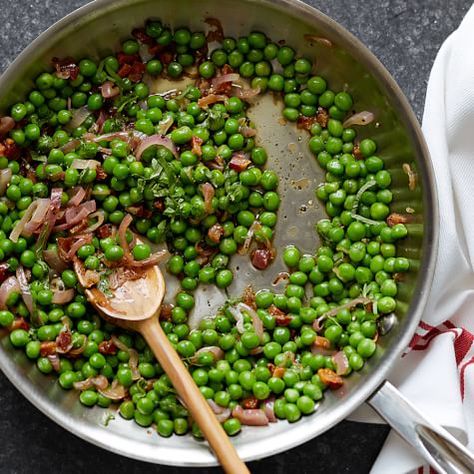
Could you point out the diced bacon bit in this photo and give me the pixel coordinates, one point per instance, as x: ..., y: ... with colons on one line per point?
x: 217, y: 34
x: 248, y: 297
x: 322, y: 117
x: 305, y: 123
x: 47, y: 348
x: 261, y: 258
x: 196, y: 143
x: 396, y: 218
x: 100, y: 173
x: 323, y: 342
x: 279, y: 372
x: 124, y: 70
x: 4, y: 271
x: 205, y: 253
x: 330, y: 378
x: 19, y: 323
x: 139, y: 211
x: 10, y: 149
x: 239, y: 162
x: 131, y: 66
x: 208, y: 193
x: 281, y: 318
x: 64, y: 339
x: 250, y: 402
x: 79, y: 227
x: 104, y: 231
x: 159, y: 205
x: 66, y: 68
x: 140, y: 35
x: 107, y: 347
x: 357, y: 153
x: 166, y: 309
x: 166, y: 57
x: 397, y: 277
x: 155, y: 48
x: 215, y: 233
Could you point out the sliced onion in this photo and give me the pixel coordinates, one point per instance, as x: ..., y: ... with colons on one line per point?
x: 361, y: 118
x: 239, y: 317
x: 108, y: 90
x: 78, y: 350
x: 256, y: 321
x: 247, y: 131
x: 71, y: 145
x: 341, y: 363
x: 224, y: 79
x: 248, y: 240
x: 133, y: 363
x: 63, y: 296
x: 411, y: 176
x: 208, y: 193
x: 119, y: 344
x: 25, y: 289
x: 82, y: 240
x: 38, y: 217
x: 165, y: 125
x: 269, y: 410
x: 217, y: 353
x: 54, y: 261
x: 318, y: 39
x: 333, y: 312
x: 77, y: 196
x: 78, y: 116
x: 99, y: 381
x: 221, y: 413
x: 6, y: 124
x: 245, y: 94
x: 115, y: 392
x: 122, y: 236
x: 5, y: 177
x: 211, y: 99
x: 77, y: 214
x: 289, y: 356
x: 34, y: 214
x: 100, y: 220
x: 55, y: 361
x: 9, y: 286
x: 84, y: 164
x: 155, y: 140
x: 250, y: 417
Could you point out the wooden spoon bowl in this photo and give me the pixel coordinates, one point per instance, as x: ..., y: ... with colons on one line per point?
x: 135, y: 306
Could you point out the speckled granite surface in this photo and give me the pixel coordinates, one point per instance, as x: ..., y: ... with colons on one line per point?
x: 405, y: 35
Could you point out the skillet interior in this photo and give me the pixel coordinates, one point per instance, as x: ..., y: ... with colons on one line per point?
x: 97, y: 29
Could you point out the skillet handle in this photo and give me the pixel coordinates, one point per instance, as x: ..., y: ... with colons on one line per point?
x: 438, y: 447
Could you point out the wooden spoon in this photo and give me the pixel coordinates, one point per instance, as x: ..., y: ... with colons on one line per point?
x: 136, y: 306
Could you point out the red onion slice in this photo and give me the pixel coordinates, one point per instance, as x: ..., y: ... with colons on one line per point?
x: 9, y: 286
x: 225, y: 78
x: 37, y: 209
x: 250, y: 417
x: 99, y: 381
x: 361, y: 118
x: 63, y: 296
x: 341, y: 363
x: 108, y: 90
x: 269, y: 410
x: 25, y: 289
x: 208, y: 193
x: 77, y: 196
x: 115, y: 392
x: 71, y: 145
x: 78, y: 116
x: 55, y: 361
x: 155, y: 140
x: 217, y: 353
x: 222, y: 414
x: 5, y: 177
x: 84, y: 164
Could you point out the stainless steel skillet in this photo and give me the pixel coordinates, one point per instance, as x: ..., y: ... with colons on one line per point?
x: 97, y: 29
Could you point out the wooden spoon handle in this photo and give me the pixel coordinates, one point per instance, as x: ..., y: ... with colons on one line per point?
x: 189, y: 392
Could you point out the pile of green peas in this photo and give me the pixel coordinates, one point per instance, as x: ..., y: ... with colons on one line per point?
x: 358, y: 256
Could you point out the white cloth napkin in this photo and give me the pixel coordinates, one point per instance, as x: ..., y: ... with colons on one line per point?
x: 437, y: 375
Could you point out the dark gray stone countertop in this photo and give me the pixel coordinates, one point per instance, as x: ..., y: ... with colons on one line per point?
x: 405, y: 35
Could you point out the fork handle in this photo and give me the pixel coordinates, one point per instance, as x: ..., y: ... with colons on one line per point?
x: 189, y: 392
